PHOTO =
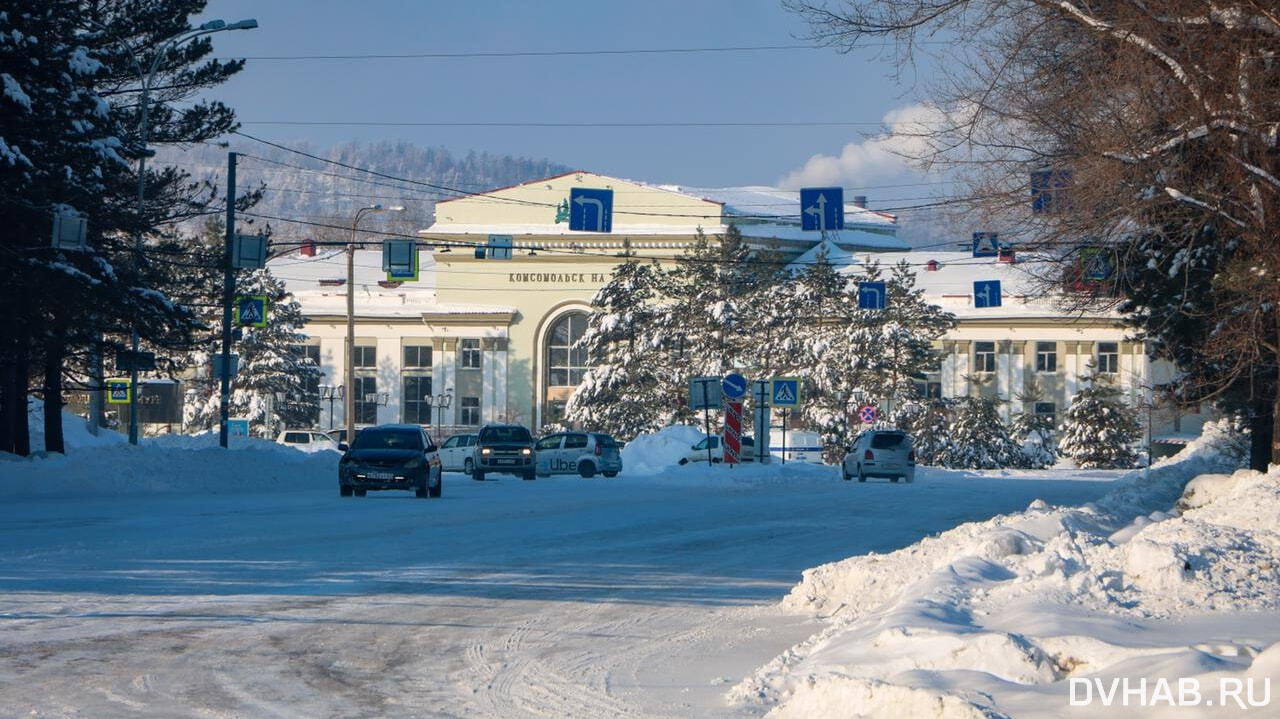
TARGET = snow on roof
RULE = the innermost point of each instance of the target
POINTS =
(771, 202)
(787, 232)
(835, 255)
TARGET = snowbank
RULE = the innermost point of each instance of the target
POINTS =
(994, 618)
(171, 463)
(652, 453)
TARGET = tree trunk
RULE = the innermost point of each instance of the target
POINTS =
(14, 434)
(55, 351)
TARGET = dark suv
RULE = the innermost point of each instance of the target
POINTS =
(503, 448)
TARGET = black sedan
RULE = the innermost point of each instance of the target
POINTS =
(390, 456)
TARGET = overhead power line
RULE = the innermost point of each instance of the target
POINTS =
(506, 123)
(535, 53)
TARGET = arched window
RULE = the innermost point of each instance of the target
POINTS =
(566, 363)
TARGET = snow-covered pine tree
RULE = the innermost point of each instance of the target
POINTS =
(979, 440)
(1033, 433)
(269, 363)
(929, 426)
(1099, 431)
(621, 393)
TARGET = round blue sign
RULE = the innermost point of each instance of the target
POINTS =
(734, 385)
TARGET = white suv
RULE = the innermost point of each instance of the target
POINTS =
(888, 453)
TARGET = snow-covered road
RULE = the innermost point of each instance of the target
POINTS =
(640, 596)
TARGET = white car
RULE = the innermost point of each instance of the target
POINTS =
(307, 440)
(888, 453)
(698, 452)
(581, 453)
(455, 453)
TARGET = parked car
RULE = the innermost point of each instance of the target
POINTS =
(339, 434)
(308, 440)
(698, 452)
(390, 456)
(881, 453)
(582, 453)
(504, 448)
(455, 453)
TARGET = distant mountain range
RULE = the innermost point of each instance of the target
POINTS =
(319, 198)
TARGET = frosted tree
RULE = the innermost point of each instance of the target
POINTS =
(621, 393)
(929, 427)
(979, 440)
(270, 388)
(1034, 434)
(1099, 431)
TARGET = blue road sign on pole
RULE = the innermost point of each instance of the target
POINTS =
(986, 244)
(986, 293)
(822, 208)
(871, 296)
(786, 392)
(117, 391)
(238, 427)
(591, 209)
(734, 386)
(251, 310)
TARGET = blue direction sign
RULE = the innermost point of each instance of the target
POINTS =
(734, 385)
(871, 295)
(986, 244)
(238, 427)
(117, 391)
(251, 310)
(590, 209)
(986, 293)
(822, 208)
(786, 392)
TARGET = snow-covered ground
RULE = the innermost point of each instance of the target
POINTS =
(180, 579)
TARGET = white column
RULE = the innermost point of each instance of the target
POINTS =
(448, 372)
(1004, 389)
(488, 405)
(1071, 377)
(1018, 362)
(390, 355)
(500, 356)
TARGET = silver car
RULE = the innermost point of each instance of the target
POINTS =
(581, 453)
(455, 453)
(888, 453)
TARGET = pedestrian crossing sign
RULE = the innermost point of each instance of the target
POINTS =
(786, 392)
(251, 310)
(117, 391)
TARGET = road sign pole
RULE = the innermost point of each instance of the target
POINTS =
(784, 435)
(228, 296)
(706, 427)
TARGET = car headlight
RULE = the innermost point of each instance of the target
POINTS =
(413, 463)
(526, 451)
(486, 450)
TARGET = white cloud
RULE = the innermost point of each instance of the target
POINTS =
(875, 160)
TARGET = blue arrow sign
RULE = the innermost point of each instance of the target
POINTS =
(734, 385)
(590, 209)
(986, 293)
(871, 296)
(986, 244)
(822, 208)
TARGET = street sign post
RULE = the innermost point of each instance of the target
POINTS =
(868, 414)
(732, 432)
(986, 293)
(591, 209)
(785, 394)
(251, 310)
(135, 361)
(705, 394)
(871, 295)
(734, 386)
(117, 391)
(238, 427)
(400, 260)
(821, 208)
(760, 418)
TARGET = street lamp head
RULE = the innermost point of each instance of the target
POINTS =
(246, 24)
(213, 25)
(396, 208)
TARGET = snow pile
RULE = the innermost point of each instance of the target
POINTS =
(653, 453)
(172, 463)
(994, 618)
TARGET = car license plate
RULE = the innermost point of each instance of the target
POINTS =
(381, 475)
(505, 461)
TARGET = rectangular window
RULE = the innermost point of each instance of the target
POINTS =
(416, 404)
(1108, 357)
(984, 356)
(928, 390)
(469, 354)
(1046, 356)
(366, 400)
(365, 356)
(469, 411)
(417, 356)
(1046, 409)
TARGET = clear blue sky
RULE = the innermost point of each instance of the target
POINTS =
(806, 85)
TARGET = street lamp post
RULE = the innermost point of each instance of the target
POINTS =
(331, 393)
(442, 402)
(349, 407)
(144, 131)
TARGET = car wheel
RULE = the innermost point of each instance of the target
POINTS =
(435, 491)
(683, 460)
(469, 466)
(587, 470)
(420, 491)
(344, 490)
(529, 476)
(477, 475)
(360, 492)
(894, 479)
(610, 474)
(861, 477)
(909, 478)
(844, 472)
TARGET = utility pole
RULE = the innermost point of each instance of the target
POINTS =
(228, 297)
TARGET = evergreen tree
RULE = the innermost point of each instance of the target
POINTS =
(269, 364)
(1099, 431)
(621, 393)
(929, 426)
(1034, 434)
(979, 440)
